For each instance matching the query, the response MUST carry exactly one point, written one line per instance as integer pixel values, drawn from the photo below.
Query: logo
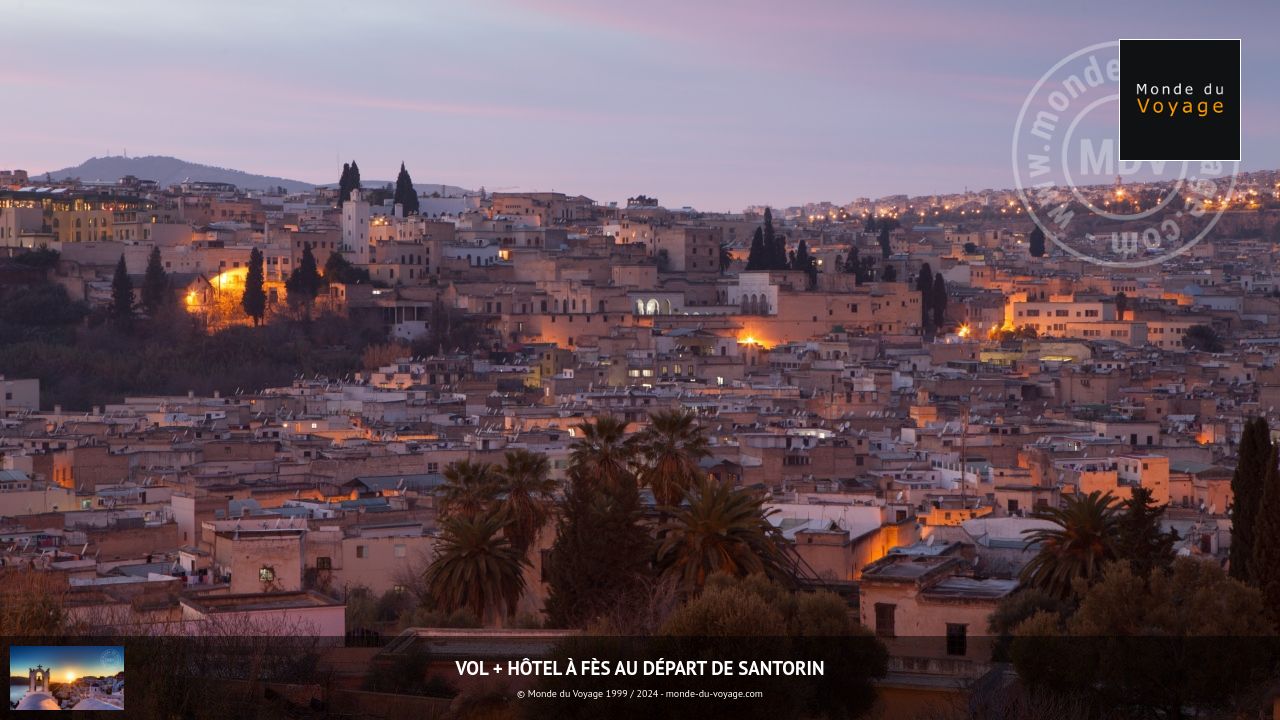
(1180, 99)
(1085, 199)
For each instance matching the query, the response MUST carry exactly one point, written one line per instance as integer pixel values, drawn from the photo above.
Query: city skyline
(700, 107)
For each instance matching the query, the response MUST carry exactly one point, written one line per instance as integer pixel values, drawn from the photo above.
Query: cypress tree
(1265, 564)
(889, 274)
(756, 259)
(781, 258)
(885, 249)
(1246, 488)
(405, 195)
(924, 285)
(939, 300)
(254, 300)
(355, 176)
(304, 282)
(775, 248)
(155, 284)
(1140, 541)
(1036, 242)
(802, 258)
(121, 307)
(344, 183)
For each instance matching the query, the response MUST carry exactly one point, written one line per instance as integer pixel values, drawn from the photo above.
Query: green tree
(1139, 539)
(720, 529)
(1083, 541)
(726, 258)
(732, 611)
(938, 300)
(526, 495)
(254, 299)
(121, 307)
(349, 181)
(40, 257)
(1246, 489)
(886, 249)
(337, 269)
(601, 454)
(924, 285)
(1122, 303)
(155, 284)
(890, 273)
(1035, 242)
(1186, 638)
(671, 448)
(601, 558)
(304, 283)
(476, 567)
(469, 488)
(406, 196)
(1266, 541)
(970, 249)
(1203, 338)
(774, 245)
(756, 258)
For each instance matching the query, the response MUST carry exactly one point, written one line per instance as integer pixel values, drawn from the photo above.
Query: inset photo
(66, 677)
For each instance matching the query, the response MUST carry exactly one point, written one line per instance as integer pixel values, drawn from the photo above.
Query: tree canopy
(406, 196)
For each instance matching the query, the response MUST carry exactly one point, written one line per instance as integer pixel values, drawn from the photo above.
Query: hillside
(170, 171)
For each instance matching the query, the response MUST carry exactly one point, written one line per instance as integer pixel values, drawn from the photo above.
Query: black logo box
(1186, 65)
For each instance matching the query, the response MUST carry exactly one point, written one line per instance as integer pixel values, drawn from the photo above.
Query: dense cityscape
(393, 416)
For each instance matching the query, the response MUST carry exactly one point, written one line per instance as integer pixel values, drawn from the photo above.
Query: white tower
(38, 680)
(355, 228)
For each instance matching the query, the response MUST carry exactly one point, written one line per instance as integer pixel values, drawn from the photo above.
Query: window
(360, 551)
(884, 619)
(324, 563)
(267, 574)
(957, 639)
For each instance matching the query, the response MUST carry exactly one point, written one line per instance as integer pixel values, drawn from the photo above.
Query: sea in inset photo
(66, 677)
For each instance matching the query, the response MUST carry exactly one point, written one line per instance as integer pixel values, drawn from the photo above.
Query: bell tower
(38, 680)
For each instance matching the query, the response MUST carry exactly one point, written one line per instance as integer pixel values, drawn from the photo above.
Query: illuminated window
(267, 574)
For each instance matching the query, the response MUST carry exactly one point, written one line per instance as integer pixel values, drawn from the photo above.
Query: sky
(715, 104)
(82, 660)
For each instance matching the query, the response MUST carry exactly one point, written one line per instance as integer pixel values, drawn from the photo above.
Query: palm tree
(671, 447)
(720, 529)
(526, 495)
(469, 488)
(1083, 541)
(476, 566)
(602, 454)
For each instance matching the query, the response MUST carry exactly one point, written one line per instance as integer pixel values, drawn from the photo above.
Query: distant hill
(168, 171)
